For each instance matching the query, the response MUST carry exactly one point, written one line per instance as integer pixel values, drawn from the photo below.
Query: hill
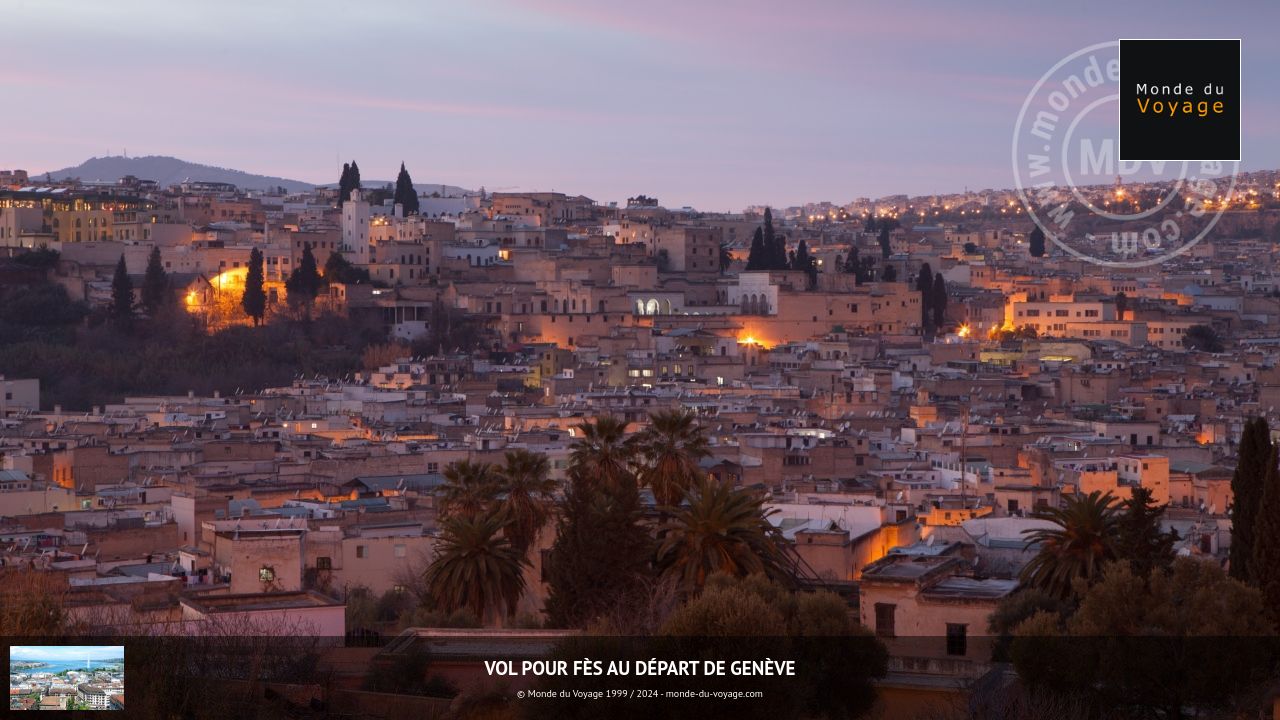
(168, 171)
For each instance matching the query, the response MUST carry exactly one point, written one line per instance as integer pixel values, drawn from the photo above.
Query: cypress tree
(756, 259)
(355, 176)
(1036, 242)
(304, 282)
(1246, 488)
(121, 307)
(885, 249)
(889, 274)
(1265, 564)
(344, 183)
(405, 195)
(155, 284)
(254, 300)
(924, 285)
(775, 248)
(939, 300)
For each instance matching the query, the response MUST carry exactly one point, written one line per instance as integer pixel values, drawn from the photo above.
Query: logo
(1087, 200)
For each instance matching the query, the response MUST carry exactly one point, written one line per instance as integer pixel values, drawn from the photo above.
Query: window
(267, 574)
(957, 639)
(399, 551)
(324, 563)
(884, 619)
(360, 551)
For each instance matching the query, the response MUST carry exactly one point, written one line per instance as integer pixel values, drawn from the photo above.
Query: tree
(337, 269)
(1203, 338)
(885, 248)
(889, 274)
(1140, 540)
(1083, 541)
(304, 282)
(721, 529)
(469, 488)
(924, 285)
(476, 567)
(526, 495)
(254, 300)
(155, 284)
(970, 249)
(406, 196)
(775, 246)
(1035, 242)
(756, 258)
(938, 299)
(1122, 302)
(1190, 637)
(726, 258)
(671, 448)
(121, 307)
(1266, 541)
(602, 455)
(1246, 489)
(602, 555)
(349, 181)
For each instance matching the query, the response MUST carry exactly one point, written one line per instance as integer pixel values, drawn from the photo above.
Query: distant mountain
(168, 171)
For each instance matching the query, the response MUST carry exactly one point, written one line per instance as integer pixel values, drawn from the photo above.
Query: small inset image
(66, 677)
(1180, 100)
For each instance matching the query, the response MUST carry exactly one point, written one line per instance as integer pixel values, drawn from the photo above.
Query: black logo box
(1186, 65)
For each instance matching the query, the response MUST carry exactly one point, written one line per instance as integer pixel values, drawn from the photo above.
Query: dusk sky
(712, 104)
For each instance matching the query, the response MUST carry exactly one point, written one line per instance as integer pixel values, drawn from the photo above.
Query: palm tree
(720, 529)
(469, 488)
(476, 566)
(1083, 541)
(671, 447)
(526, 495)
(602, 454)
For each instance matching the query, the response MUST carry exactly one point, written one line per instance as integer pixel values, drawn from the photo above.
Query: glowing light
(964, 331)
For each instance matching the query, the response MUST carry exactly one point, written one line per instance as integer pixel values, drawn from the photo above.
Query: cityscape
(315, 409)
(66, 677)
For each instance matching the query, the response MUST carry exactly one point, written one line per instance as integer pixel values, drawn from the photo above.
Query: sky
(56, 653)
(715, 104)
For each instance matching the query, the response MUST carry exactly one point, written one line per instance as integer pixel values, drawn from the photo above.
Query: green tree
(406, 196)
(938, 300)
(1190, 637)
(1266, 541)
(720, 529)
(756, 258)
(886, 249)
(1035, 242)
(602, 555)
(476, 567)
(526, 495)
(1122, 303)
(924, 285)
(155, 284)
(1139, 539)
(349, 181)
(1083, 541)
(1203, 338)
(1246, 489)
(602, 455)
(121, 307)
(304, 283)
(970, 249)
(890, 273)
(671, 448)
(254, 299)
(337, 269)
(469, 488)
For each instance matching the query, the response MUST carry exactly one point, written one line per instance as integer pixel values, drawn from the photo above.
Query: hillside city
(406, 424)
